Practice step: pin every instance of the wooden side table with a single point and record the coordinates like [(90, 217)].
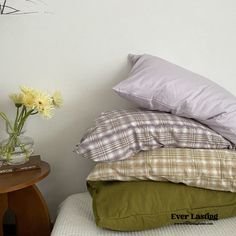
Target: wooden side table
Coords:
[(19, 193)]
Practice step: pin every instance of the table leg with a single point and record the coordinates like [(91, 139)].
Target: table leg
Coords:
[(32, 217), (3, 208)]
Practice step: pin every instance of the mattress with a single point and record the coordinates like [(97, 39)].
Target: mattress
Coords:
[(75, 218)]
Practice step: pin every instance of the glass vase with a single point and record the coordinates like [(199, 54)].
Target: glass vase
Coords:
[(17, 148)]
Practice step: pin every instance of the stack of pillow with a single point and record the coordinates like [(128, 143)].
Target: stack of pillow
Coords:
[(171, 161)]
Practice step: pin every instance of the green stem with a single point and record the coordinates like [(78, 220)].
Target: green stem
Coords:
[(16, 120), (4, 117), (23, 119), (8, 149), (22, 113)]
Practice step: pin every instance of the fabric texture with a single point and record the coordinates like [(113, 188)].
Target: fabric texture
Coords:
[(119, 134), (140, 205), (204, 168), (75, 218), (157, 84)]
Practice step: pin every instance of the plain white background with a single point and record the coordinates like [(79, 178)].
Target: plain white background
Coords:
[(81, 49)]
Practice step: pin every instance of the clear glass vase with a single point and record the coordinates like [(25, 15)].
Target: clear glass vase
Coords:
[(17, 148)]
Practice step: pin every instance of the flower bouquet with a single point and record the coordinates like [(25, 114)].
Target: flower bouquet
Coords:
[(17, 148)]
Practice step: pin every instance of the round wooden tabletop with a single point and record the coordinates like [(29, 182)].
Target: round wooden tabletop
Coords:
[(18, 180)]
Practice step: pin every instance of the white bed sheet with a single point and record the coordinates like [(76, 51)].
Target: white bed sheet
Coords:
[(75, 218)]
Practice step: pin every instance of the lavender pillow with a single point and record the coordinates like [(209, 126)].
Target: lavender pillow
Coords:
[(157, 84)]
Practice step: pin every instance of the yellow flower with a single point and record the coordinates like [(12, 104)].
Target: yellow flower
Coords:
[(43, 104), (28, 100), (17, 99), (26, 90), (39, 101), (57, 99), (28, 97), (47, 112)]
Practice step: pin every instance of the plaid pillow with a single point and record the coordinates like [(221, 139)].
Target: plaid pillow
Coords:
[(204, 168), (119, 134)]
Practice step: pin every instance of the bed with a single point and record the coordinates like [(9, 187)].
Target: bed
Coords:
[(75, 218)]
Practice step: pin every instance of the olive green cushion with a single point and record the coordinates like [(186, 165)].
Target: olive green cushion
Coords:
[(139, 205)]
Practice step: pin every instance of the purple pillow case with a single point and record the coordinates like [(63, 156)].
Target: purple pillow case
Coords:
[(120, 134), (157, 84)]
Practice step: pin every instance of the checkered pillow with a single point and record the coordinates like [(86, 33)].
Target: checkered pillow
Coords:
[(204, 168), (119, 134)]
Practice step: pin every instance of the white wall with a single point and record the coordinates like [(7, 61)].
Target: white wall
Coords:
[(81, 49)]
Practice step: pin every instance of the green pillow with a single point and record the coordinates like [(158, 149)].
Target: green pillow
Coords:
[(139, 205)]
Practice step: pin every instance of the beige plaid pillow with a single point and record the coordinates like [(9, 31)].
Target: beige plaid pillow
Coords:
[(205, 168)]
